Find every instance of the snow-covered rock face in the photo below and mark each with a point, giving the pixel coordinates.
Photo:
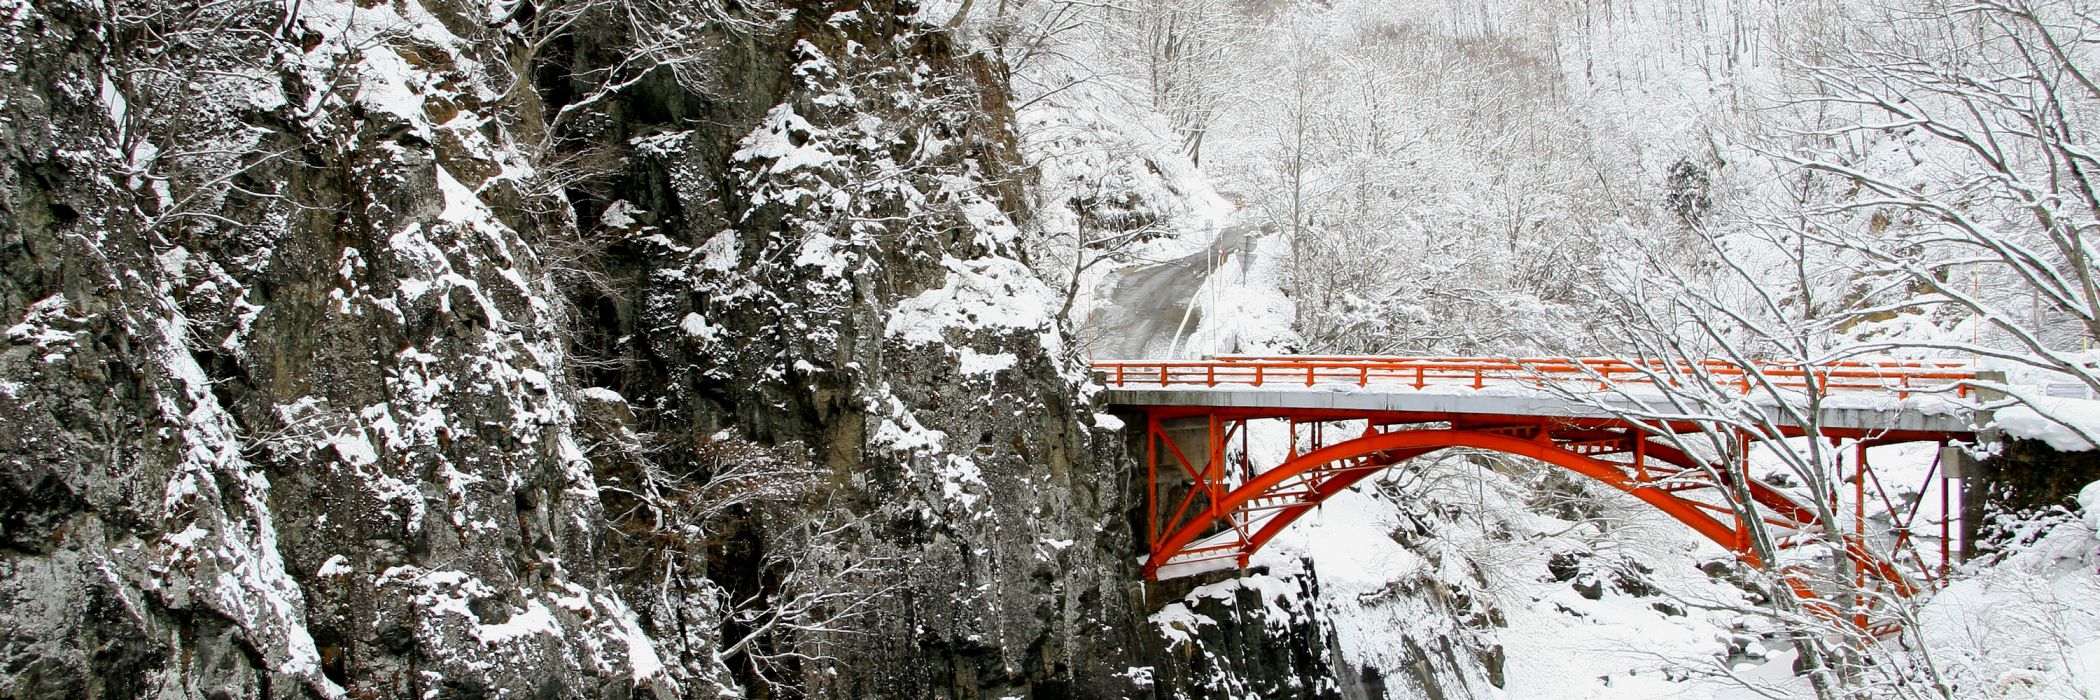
(287, 401)
(336, 361)
(842, 269)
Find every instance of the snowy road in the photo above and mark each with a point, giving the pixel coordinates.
(1147, 304)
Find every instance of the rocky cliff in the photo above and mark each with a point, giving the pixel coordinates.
(555, 349)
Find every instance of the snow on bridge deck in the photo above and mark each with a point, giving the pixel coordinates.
(1910, 397)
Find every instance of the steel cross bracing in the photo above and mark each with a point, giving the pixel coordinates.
(1209, 507)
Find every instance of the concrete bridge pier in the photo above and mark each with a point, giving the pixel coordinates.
(1190, 436)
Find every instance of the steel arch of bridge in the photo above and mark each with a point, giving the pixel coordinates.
(1213, 509)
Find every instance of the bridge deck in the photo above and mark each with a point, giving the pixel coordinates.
(1856, 397)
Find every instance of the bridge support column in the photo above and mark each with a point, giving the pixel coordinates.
(1960, 473)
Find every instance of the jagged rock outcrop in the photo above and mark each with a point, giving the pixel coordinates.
(837, 267)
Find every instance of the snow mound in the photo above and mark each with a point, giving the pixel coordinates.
(2050, 420)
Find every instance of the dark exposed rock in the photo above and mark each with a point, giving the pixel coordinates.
(2023, 480)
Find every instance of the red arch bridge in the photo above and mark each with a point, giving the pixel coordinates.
(1627, 424)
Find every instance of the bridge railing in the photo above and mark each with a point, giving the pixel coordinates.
(1900, 377)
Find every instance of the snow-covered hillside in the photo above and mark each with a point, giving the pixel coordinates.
(1507, 178)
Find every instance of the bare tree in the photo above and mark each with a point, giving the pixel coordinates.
(1937, 165)
(650, 38)
(181, 157)
(1704, 343)
(675, 507)
(1184, 61)
(1986, 213)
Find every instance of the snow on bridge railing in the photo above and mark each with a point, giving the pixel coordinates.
(1902, 377)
